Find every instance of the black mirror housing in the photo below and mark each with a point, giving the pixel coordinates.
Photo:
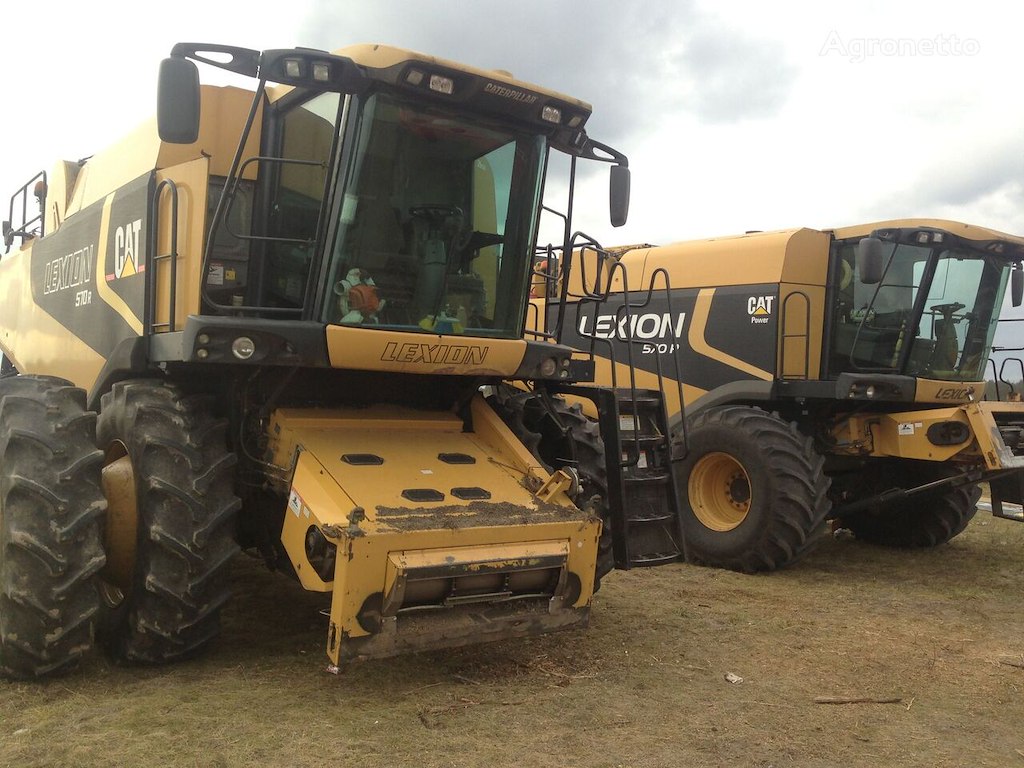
(1017, 284)
(870, 262)
(618, 194)
(177, 110)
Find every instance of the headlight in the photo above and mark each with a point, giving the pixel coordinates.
(243, 347)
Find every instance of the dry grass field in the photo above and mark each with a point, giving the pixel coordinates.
(681, 666)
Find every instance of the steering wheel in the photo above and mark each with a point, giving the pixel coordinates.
(435, 212)
(947, 309)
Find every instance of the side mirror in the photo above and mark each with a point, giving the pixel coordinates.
(870, 262)
(177, 108)
(1017, 284)
(618, 194)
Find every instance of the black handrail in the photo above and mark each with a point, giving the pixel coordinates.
(150, 325)
(806, 335)
(24, 228)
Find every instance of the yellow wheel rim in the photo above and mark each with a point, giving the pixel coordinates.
(719, 491)
(121, 525)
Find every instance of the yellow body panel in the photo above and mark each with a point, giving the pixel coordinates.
(905, 434)
(792, 255)
(901, 435)
(32, 338)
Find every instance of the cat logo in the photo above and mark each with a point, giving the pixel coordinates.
(127, 251)
(760, 309)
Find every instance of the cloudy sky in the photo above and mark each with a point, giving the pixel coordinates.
(735, 115)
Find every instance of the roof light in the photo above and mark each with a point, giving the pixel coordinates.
(574, 122)
(293, 67)
(415, 77)
(551, 114)
(923, 237)
(442, 84)
(321, 71)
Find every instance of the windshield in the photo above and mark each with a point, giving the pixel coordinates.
(933, 315)
(435, 223)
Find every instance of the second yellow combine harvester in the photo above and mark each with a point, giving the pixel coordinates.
(284, 320)
(827, 375)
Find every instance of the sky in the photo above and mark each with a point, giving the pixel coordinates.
(734, 115)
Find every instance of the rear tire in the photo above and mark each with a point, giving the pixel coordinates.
(51, 506)
(168, 607)
(922, 520)
(753, 490)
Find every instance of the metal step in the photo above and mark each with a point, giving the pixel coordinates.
(651, 529)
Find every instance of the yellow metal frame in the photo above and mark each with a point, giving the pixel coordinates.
(527, 530)
(904, 434)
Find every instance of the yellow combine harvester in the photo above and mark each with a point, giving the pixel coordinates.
(826, 375)
(284, 320)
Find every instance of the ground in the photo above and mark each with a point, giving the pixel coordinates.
(681, 666)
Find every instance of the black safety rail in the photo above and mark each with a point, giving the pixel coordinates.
(1001, 375)
(150, 324)
(1007, 488)
(786, 335)
(643, 499)
(221, 217)
(998, 375)
(24, 225)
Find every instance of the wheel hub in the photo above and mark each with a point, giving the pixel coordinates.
(719, 491)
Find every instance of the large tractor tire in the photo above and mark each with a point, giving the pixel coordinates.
(925, 519)
(753, 490)
(565, 439)
(169, 481)
(51, 506)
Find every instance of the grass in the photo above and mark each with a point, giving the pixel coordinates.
(941, 630)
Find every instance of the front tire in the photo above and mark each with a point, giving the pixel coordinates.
(921, 520)
(562, 436)
(50, 511)
(163, 603)
(753, 490)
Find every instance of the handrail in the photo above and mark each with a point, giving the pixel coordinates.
(39, 190)
(806, 336)
(625, 312)
(150, 325)
(1003, 379)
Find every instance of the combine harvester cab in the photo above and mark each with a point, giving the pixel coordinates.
(829, 376)
(299, 314)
